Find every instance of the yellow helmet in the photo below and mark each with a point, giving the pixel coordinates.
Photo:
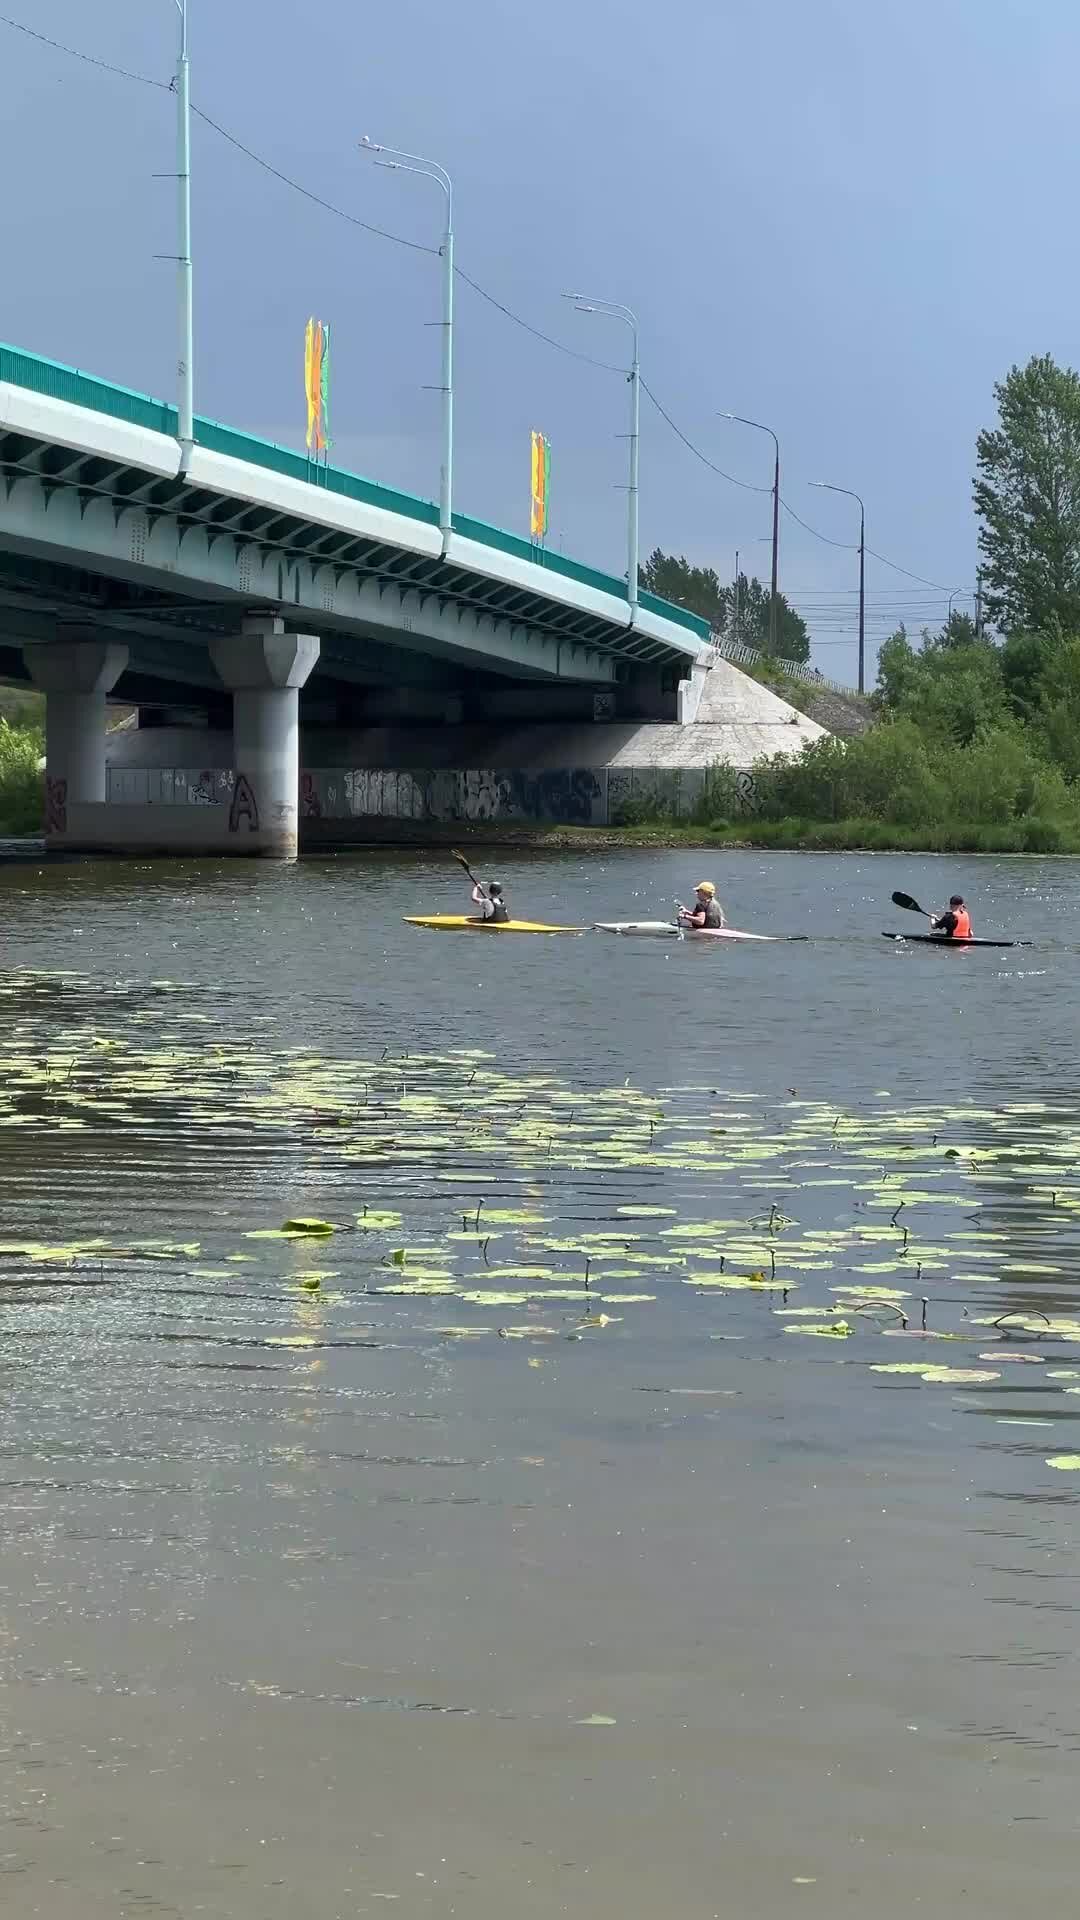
(705, 886)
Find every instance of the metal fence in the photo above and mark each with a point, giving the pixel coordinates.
(722, 647)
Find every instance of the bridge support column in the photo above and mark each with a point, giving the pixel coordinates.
(75, 675)
(264, 668)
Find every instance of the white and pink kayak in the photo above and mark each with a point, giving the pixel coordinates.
(668, 929)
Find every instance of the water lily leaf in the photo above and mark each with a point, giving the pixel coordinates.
(838, 1330)
(869, 1293)
(942, 1376)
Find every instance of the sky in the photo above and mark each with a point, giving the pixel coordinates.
(844, 220)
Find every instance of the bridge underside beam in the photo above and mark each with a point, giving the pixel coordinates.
(184, 541)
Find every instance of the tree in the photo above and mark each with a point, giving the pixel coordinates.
(699, 590)
(959, 631)
(951, 687)
(792, 638)
(1027, 495)
(1059, 705)
(897, 670)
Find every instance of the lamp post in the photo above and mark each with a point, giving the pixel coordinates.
(629, 318)
(412, 163)
(829, 488)
(185, 301)
(773, 603)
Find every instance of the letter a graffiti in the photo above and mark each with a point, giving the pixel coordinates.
(244, 806)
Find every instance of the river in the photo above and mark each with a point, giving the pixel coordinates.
(586, 1526)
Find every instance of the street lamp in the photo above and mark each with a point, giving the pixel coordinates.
(829, 488)
(586, 305)
(773, 604)
(411, 163)
(185, 298)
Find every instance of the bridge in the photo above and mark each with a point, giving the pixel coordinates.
(246, 571)
(242, 573)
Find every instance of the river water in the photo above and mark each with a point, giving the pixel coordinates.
(586, 1526)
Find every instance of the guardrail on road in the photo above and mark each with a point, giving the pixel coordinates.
(741, 655)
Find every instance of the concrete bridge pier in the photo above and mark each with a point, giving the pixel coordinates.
(75, 674)
(264, 668)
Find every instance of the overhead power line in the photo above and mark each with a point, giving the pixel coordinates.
(746, 485)
(416, 246)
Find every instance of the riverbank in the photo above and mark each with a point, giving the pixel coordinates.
(1030, 835)
(789, 836)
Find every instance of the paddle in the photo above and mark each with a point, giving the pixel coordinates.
(462, 862)
(911, 906)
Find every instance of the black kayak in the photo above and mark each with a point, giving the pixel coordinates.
(946, 940)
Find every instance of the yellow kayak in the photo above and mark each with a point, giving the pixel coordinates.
(461, 923)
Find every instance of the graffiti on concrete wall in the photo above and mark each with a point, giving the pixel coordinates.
(474, 794)
(244, 806)
(746, 791)
(564, 795)
(55, 805)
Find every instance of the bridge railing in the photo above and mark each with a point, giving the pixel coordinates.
(722, 646)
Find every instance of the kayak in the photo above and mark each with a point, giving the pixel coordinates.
(659, 929)
(944, 940)
(462, 923)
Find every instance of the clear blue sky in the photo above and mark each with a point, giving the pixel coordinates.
(845, 219)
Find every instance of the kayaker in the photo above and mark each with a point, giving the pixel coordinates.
(706, 910)
(488, 896)
(955, 924)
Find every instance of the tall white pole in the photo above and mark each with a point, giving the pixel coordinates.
(185, 366)
(585, 304)
(446, 493)
(400, 162)
(635, 438)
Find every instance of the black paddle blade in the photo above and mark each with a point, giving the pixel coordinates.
(905, 900)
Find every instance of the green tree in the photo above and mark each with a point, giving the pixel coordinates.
(792, 638)
(1027, 495)
(1024, 659)
(898, 670)
(697, 589)
(1059, 706)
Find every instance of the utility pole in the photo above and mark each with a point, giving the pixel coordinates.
(586, 304)
(862, 598)
(399, 162)
(185, 358)
(978, 605)
(773, 601)
(773, 605)
(827, 487)
(735, 600)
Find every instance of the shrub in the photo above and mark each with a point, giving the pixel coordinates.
(21, 785)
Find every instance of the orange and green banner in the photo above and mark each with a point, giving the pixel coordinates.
(541, 486)
(317, 385)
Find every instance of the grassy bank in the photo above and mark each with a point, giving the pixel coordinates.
(810, 836)
(21, 783)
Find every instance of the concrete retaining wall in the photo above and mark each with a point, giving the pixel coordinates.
(579, 796)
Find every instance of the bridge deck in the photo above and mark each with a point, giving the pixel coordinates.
(327, 541)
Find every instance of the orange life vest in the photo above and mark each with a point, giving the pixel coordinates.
(962, 929)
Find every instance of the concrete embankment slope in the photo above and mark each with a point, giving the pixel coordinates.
(737, 722)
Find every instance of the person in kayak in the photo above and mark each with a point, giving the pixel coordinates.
(953, 925)
(488, 896)
(706, 910)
